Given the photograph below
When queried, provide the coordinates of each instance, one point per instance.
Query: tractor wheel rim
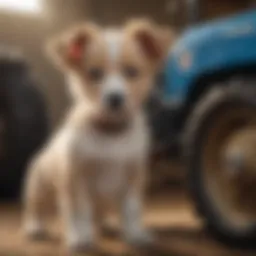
(229, 178)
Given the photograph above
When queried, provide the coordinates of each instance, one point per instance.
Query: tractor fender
(208, 50)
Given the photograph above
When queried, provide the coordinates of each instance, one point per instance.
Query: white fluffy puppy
(99, 155)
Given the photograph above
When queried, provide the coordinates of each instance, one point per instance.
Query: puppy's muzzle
(115, 101)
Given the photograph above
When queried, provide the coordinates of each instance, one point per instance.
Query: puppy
(98, 158)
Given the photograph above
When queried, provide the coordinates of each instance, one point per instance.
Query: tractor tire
(217, 186)
(23, 123)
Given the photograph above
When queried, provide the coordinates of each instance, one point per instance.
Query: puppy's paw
(35, 230)
(80, 244)
(82, 247)
(140, 238)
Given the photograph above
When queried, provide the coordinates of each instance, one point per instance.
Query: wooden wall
(212, 9)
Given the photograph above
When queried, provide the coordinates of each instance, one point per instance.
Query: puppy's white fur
(113, 161)
(88, 169)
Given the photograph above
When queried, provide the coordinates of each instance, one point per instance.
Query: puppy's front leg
(77, 211)
(134, 230)
(35, 203)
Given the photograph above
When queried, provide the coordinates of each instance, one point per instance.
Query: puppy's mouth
(110, 124)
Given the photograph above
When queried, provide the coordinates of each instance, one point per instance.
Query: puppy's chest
(130, 146)
(108, 179)
(111, 159)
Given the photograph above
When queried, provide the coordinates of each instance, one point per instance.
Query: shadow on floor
(180, 241)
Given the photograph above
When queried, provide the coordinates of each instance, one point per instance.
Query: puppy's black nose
(115, 101)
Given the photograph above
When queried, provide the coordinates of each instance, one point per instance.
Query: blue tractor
(208, 106)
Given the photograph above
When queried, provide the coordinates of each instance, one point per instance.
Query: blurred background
(33, 101)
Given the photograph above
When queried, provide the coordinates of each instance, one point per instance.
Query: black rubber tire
(196, 130)
(24, 111)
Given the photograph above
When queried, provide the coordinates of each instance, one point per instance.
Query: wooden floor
(169, 216)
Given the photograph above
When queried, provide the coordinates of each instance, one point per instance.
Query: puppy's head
(112, 69)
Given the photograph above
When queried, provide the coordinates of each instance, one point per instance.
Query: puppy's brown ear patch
(154, 40)
(76, 48)
(68, 49)
(149, 44)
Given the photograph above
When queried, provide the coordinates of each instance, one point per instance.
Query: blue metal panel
(205, 49)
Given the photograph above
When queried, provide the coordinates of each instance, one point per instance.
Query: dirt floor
(170, 216)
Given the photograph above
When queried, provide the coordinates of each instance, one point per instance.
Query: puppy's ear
(154, 40)
(68, 50)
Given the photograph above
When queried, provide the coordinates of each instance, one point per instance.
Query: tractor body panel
(209, 49)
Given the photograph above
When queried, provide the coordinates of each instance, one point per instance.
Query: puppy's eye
(95, 74)
(131, 72)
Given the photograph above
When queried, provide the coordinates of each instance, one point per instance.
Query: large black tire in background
(23, 123)
(223, 190)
